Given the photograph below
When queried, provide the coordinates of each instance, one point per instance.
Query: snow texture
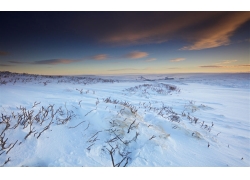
(177, 120)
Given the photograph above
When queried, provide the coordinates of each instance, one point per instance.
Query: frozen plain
(187, 120)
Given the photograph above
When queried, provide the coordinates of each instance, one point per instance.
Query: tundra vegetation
(116, 127)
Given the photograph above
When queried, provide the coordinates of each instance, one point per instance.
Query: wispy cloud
(5, 65)
(201, 29)
(55, 61)
(219, 33)
(16, 62)
(177, 59)
(225, 66)
(136, 55)
(244, 65)
(244, 40)
(100, 57)
(151, 59)
(228, 61)
(3, 53)
(211, 66)
(222, 64)
(159, 27)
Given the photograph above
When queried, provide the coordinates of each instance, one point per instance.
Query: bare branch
(152, 137)
(35, 103)
(11, 147)
(6, 162)
(88, 148)
(87, 127)
(90, 111)
(80, 103)
(77, 124)
(130, 127)
(93, 136)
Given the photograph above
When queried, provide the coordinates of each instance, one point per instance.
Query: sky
(103, 43)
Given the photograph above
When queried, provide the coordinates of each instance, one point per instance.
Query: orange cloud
(177, 59)
(100, 57)
(219, 33)
(136, 55)
(202, 29)
(158, 28)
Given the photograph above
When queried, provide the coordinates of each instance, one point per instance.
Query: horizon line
(121, 74)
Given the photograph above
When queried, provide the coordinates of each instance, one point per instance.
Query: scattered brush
(146, 89)
(33, 122)
(131, 126)
(8, 160)
(80, 90)
(123, 155)
(6, 77)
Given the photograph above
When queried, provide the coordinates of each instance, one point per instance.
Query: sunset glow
(75, 43)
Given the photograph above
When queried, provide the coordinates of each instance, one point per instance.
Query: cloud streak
(244, 65)
(55, 61)
(16, 62)
(228, 61)
(136, 55)
(211, 66)
(225, 66)
(151, 59)
(151, 27)
(218, 33)
(177, 59)
(201, 30)
(5, 65)
(100, 57)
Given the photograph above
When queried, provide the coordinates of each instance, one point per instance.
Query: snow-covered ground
(179, 120)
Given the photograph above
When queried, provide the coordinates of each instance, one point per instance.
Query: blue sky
(72, 43)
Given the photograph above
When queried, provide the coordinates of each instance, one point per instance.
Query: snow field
(106, 122)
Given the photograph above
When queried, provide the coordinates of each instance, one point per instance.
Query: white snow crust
(178, 120)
